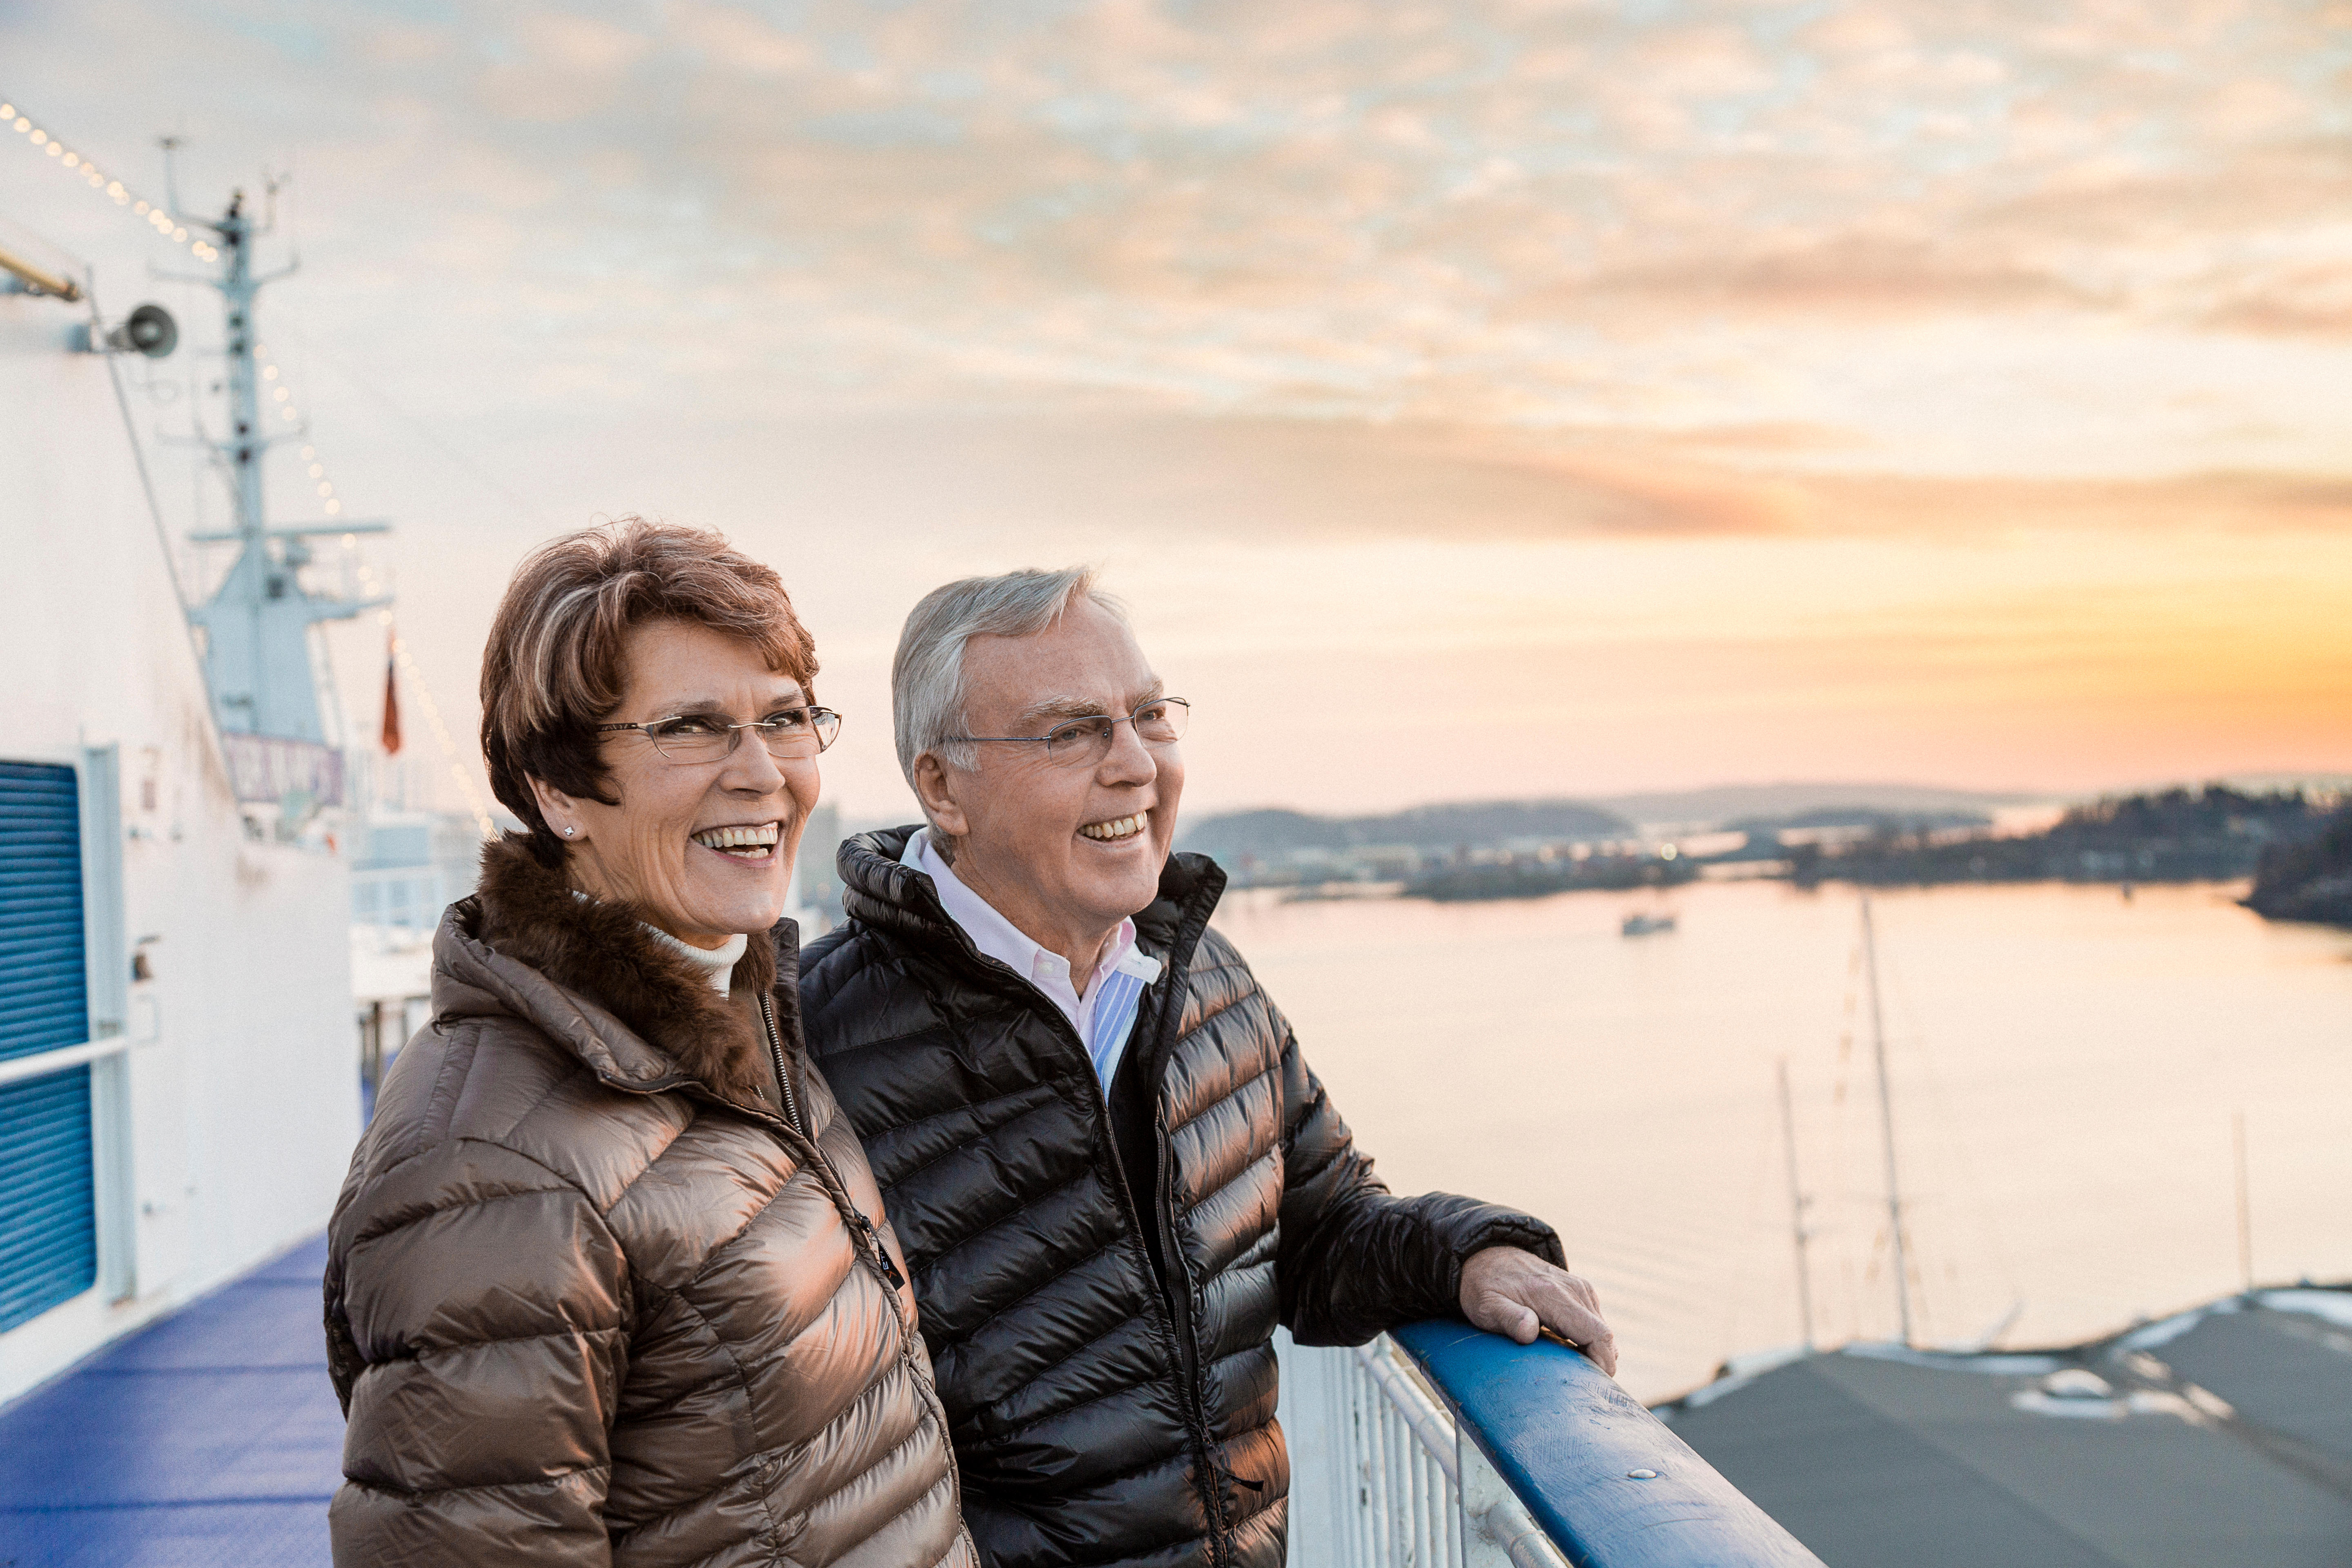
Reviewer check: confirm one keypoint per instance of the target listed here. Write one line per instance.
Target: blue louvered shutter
(48, 1219)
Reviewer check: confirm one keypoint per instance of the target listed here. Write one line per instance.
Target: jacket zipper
(859, 1224)
(1221, 1542)
(1189, 1347)
(783, 1078)
(1188, 1388)
(881, 1253)
(873, 1255)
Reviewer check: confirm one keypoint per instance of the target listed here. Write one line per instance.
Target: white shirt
(1104, 1017)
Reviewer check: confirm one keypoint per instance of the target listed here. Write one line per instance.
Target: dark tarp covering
(2223, 1438)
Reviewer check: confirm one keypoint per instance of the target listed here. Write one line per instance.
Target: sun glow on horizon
(1673, 393)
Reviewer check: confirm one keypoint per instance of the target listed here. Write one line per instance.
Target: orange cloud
(1479, 291)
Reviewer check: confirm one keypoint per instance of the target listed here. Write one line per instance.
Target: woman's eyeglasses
(789, 734)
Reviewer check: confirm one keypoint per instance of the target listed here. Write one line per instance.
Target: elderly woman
(609, 1280)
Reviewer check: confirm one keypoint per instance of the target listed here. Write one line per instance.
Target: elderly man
(1110, 1167)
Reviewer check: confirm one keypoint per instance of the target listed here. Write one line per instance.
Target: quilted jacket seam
(777, 1523)
(461, 1346)
(564, 1182)
(1076, 1352)
(1048, 1283)
(744, 1449)
(1265, 1070)
(1209, 1014)
(1111, 1477)
(910, 1174)
(535, 1484)
(1273, 1151)
(1026, 1208)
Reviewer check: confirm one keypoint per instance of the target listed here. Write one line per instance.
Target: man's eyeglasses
(791, 734)
(1159, 722)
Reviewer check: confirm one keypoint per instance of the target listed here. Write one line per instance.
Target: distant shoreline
(2295, 848)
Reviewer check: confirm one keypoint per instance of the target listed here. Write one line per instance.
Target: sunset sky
(1476, 399)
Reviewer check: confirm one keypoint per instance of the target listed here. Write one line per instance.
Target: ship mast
(257, 660)
(1887, 1124)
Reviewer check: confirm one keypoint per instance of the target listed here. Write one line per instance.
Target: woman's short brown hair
(553, 669)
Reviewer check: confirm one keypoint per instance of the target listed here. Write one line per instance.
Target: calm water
(2064, 1065)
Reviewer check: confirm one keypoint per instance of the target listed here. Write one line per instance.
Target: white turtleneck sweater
(716, 963)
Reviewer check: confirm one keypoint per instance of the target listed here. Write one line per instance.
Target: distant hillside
(1851, 804)
(1272, 835)
(2310, 879)
(1859, 817)
(2177, 836)
(1524, 877)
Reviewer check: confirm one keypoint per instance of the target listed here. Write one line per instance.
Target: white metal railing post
(1444, 1448)
(1381, 1477)
(1495, 1523)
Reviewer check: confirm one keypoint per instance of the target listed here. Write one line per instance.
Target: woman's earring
(570, 831)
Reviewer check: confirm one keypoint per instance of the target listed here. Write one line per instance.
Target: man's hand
(1510, 1290)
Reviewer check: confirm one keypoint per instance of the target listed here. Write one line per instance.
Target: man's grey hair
(928, 690)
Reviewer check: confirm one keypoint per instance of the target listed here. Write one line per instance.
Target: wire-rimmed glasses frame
(791, 734)
(1159, 722)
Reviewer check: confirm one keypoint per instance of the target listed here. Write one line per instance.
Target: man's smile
(1116, 829)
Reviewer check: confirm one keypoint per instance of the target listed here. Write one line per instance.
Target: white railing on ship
(1439, 1446)
(1377, 1466)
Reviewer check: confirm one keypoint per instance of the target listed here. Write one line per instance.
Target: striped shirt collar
(1104, 1017)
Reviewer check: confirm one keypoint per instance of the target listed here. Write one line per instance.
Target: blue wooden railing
(1599, 1475)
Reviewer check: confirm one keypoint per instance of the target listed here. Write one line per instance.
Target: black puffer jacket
(1106, 1410)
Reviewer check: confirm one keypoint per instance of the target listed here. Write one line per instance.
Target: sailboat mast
(1887, 1124)
(1795, 1209)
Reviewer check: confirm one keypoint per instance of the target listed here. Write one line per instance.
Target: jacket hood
(880, 891)
(589, 975)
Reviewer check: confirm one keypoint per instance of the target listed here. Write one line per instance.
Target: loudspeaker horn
(148, 329)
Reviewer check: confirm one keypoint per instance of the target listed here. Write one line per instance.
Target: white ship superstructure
(177, 1092)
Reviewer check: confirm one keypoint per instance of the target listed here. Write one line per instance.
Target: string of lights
(86, 169)
(280, 392)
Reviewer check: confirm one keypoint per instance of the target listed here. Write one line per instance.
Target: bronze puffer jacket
(590, 1301)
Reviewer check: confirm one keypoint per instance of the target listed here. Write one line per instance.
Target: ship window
(49, 1226)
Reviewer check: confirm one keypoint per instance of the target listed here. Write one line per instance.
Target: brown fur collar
(602, 952)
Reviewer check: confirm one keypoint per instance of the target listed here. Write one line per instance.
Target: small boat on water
(1644, 925)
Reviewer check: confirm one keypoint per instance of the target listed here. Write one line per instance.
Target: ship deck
(210, 1437)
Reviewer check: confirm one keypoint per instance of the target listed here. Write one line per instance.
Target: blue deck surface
(208, 1440)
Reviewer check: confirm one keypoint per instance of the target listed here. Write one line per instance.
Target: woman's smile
(754, 844)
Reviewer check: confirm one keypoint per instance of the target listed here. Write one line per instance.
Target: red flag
(391, 703)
